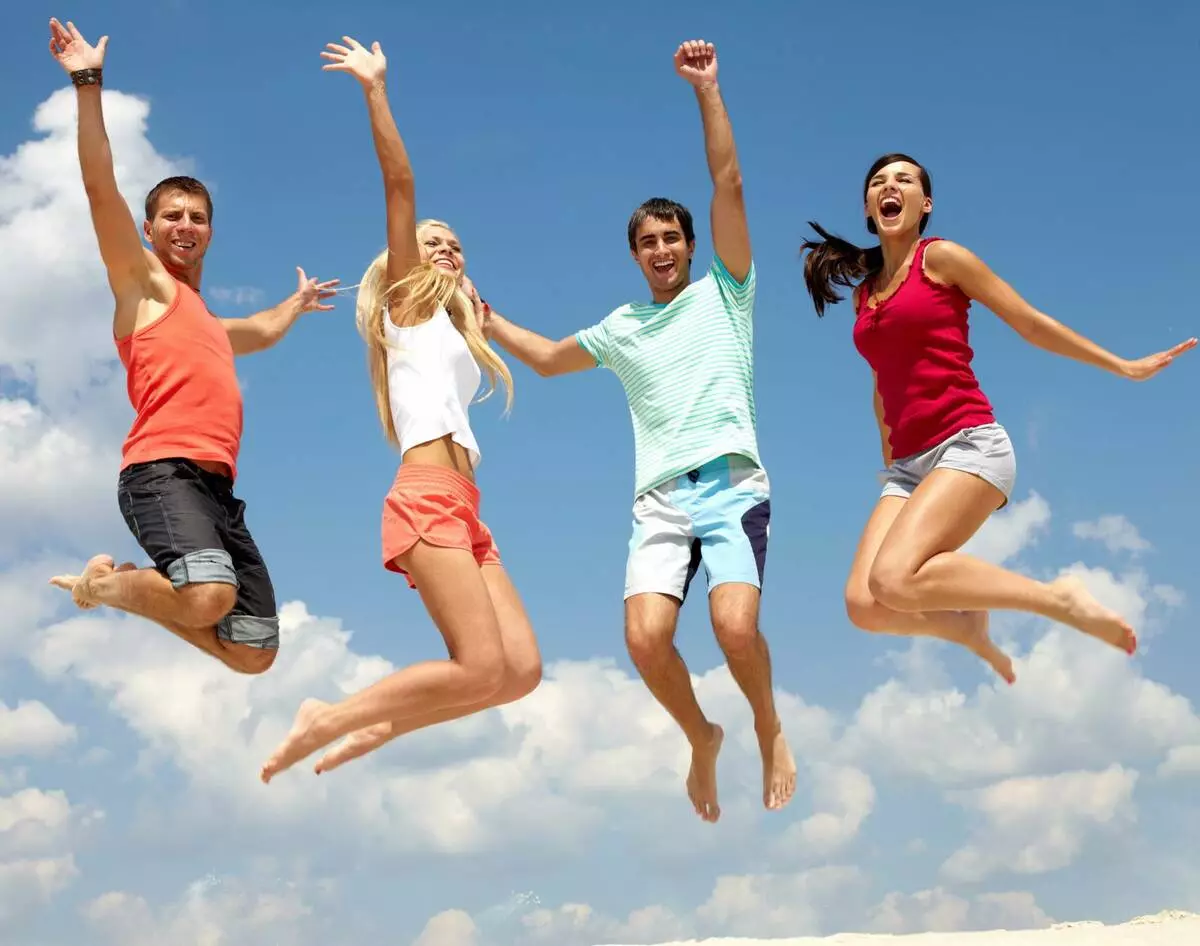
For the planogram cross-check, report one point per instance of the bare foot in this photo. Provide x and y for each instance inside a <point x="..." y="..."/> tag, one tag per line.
<point x="304" y="739"/>
<point x="779" y="768"/>
<point x="355" y="745"/>
<point x="980" y="643"/>
<point x="80" y="586"/>
<point x="702" y="777"/>
<point x="1086" y="614"/>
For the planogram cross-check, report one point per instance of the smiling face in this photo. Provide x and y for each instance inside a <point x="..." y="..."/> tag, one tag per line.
<point x="180" y="230"/>
<point x="439" y="245"/>
<point x="664" y="255"/>
<point x="897" y="199"/>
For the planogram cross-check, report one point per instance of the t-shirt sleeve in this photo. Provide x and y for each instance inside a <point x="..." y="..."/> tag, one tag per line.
<point x="739" y="296"/>
<point x="594" y="340"/>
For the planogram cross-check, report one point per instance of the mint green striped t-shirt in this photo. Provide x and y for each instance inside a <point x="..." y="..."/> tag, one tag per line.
<point x="687" y="367"/>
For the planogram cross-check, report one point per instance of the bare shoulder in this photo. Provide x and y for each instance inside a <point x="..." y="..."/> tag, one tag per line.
<point x="946" y="261"/>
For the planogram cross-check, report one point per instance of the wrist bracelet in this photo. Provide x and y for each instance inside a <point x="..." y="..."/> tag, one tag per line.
<point x="86" y="77"/>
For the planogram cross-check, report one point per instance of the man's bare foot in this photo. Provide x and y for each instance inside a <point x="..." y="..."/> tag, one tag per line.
<point x="80" y="586"/>
<point x="779" y="768"/>
<point x="355" y="745"/>
<point x="304" y="739"/>
<point x="702" y="777"/>
<point x="979" y="642"/>
<point x="1085" y="613"/>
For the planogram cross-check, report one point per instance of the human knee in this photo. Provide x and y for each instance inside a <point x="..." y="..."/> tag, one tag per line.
<point x="208" y="603"/>
<point x="863" y="610"/>
<point x="523" y="675"/>
<point x="736" y="635"/>
<point x="250" y="660"/>
<point x="648" y="642"/>
<point x="485" y="672"/>
<point x="892" y="584"/>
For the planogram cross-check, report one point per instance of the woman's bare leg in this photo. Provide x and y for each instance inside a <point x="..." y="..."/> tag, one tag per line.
<point x="918" y="567"/>
<point x="457" y="599"/>
<point x="967" y="628"/>
<point x="522" y="674"/>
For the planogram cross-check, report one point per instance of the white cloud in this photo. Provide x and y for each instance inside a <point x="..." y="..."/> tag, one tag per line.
<point x="1181" y="760"/>
<point x="237" y="295"/>
<point x="215" y="911"/>
<point x="55" y="306"/>
<point x="842" y="799"/>
<point x="776" y="904"/>
<point x="450" y="928"/>
<point x="31" y="728"/>
<point x="1116" y="533"/>
<point x="28" y="885"/>
<point x="940" y="911"/>
<point x="37" y="831"/>
<point x="1010" y="531"/>
<point x="1033" y="825"/>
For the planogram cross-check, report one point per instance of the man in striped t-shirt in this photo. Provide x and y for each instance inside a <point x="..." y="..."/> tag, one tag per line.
<point x="686" y="362"/>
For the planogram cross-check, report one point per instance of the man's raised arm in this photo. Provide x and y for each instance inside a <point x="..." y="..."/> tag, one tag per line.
<point x="266" y="328"/>
<point x="543" y="355"/>
<point x="125" y="258"/>
<point x="696" y="61"/>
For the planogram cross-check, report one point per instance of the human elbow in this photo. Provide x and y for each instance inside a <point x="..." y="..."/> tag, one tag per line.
<point x="730" y="181"/>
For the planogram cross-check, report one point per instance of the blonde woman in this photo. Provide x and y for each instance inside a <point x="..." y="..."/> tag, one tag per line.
<point x="421" y="320"/>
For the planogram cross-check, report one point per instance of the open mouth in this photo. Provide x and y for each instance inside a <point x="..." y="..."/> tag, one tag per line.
<point x="891" y="207"/>
<point x="184" y="245"/>
<point x="663" y="266"/>
<point x="445" y="262"/>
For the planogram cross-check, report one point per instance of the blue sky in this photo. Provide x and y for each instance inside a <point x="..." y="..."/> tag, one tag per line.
<point x="1061" y="149"/>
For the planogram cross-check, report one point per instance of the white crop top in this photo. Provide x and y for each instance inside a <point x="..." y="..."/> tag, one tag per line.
<point x="432" y="378"/>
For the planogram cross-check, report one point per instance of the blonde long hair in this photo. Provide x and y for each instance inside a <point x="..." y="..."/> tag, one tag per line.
<point x="419" y="294"/>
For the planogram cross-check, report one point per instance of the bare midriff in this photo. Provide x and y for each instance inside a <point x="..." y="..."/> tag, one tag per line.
<point x="441" y="452"/>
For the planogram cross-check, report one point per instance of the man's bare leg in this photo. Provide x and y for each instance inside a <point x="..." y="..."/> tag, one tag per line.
<point x="522" y="674"/>
<point x="190" y="613"/>
<point x="650" y="621"/>
<point x="734" y="609"/>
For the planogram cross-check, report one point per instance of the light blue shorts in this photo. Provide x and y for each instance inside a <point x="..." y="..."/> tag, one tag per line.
<point x="984" y="451"/>
<point x="717" y="515"/>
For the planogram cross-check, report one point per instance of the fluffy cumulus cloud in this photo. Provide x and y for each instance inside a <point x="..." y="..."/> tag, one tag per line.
<point x="1041" y="771"/>
<point x="1116" y="533"/>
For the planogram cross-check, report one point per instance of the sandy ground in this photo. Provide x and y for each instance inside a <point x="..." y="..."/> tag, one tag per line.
<point x="1170" y="928"/>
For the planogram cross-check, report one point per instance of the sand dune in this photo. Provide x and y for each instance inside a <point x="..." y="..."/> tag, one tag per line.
<point x="1169" y="928"/>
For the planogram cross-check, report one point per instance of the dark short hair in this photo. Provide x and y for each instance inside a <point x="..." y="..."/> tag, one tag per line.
<point x="189" y="185"/>
<point x="660" y="208"/>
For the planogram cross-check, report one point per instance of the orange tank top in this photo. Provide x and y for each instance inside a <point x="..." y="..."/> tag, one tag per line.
<point x="183" y="387"/>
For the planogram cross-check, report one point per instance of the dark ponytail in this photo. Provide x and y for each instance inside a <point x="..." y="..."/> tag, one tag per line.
<point x="834" y="261"/>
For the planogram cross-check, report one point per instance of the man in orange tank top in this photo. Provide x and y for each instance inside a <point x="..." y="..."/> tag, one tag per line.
<point x="209" y="584"/>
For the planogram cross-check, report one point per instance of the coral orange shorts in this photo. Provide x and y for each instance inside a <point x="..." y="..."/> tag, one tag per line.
<point x="438" y="505"/>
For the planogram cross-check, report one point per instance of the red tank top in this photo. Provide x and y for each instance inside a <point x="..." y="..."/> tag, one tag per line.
<point x="916" y="340"/>
<point x="183" y="387"/>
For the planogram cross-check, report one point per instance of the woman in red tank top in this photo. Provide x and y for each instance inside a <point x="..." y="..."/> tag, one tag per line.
<point x="949" y="464"/>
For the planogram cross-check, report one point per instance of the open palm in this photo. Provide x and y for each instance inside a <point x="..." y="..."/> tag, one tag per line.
<point x="366" y="65"/>
<point x="1148" y="367"/>
<point x="72" y="51"/>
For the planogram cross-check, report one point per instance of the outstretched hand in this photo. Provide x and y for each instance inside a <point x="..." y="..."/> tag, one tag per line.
<point x="367" y="66"/>
<point x="310" y="293"/>
<point x="72" y="51"/>
<point x="696" y="61"/>
<point x="1148" y="367"/>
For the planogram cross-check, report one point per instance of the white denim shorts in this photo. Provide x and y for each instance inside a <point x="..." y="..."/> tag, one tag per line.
<point x="984" y="451"/>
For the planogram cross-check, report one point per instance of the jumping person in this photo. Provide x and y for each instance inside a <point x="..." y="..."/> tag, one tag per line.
<point x="422" y="322"/>
<point x="209" y="584"/>
<point x="685" y="360"/>
<point x="950" y="465"/>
